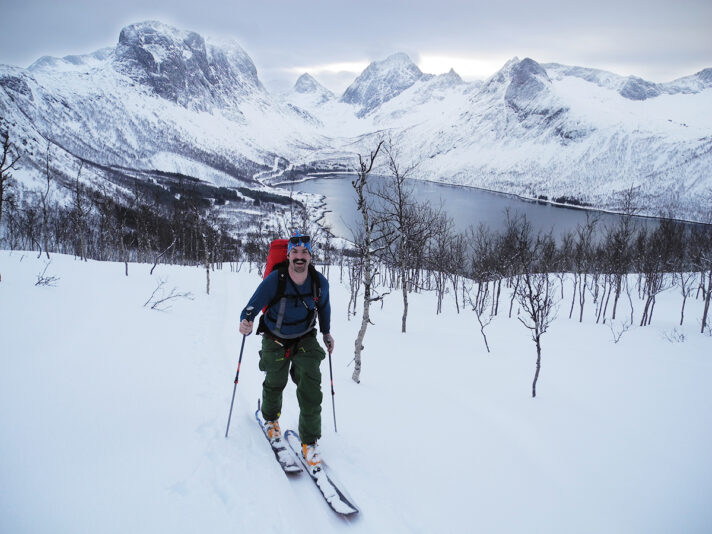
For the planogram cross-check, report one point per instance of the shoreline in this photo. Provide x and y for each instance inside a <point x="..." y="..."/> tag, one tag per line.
<point x="313" y="176"/>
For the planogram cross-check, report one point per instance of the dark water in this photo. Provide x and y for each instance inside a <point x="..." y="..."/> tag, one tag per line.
<point x="467" y="206"/>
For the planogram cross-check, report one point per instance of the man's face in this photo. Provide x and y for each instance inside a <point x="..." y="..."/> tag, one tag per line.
<point x="299" y="258"/>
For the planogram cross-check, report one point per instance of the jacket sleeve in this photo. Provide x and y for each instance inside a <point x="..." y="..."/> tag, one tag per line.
<point x="262" y="296"/>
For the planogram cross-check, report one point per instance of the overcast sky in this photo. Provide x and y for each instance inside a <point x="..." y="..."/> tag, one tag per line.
<point x="334" y="40"/>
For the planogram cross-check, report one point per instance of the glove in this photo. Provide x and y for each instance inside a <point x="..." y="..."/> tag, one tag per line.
<point x="329" y="342"/>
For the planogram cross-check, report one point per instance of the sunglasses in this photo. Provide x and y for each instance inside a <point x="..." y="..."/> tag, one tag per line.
<point x="296" y="240"/>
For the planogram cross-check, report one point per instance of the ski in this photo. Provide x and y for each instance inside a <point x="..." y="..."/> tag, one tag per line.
<point x="282" y="453"/>
<point x="332" y="494"/>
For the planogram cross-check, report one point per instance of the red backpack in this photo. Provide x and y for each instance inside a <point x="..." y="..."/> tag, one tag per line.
<point x="277" y="254"/>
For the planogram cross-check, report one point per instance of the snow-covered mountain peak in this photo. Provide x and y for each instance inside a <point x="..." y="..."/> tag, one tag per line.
<point x="528" y="80"/>
<point x="307" y="84"/>
<point x="381" y="81"/>
<point x="450" y="78"/>
<point x="528" y="68"/>
<point x="159" y="40"/>
<point x="523" y="84"/>
<point x="397" y="60"/>
<point x="633" y="87"/>
<point x="179" y="66"/>
<point x="691" y="84"/>
<point x="308" y="94"/>
<point x="501" y="77"/>
<point x="234" y="54"/>
<point x="706" y="76"/>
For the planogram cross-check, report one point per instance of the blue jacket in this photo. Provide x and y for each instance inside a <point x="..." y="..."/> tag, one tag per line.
<point x="298" y="308"/>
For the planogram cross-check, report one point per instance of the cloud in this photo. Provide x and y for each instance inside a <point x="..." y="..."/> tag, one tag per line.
<point x="469" y="68"/>
<point x="344" y="66"/>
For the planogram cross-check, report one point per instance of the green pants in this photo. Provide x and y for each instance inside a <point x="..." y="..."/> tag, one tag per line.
<point x="303" y="366"/>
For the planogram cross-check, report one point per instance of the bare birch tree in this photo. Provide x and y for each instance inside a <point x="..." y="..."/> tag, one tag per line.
<point x="398" y="213"/>
<point x="408" y="224"/>
<point x="535" y="292"/>
<point x="366" y="243"/>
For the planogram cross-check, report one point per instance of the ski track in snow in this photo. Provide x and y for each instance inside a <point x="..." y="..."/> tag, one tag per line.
<point x="114" y="415"/>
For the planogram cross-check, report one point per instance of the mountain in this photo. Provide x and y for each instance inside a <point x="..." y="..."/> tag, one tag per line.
<point x="168" y="104"/>
<point x="534" y="131"/>
<point x="163" y="100"/>
<point x="633" y="87"/>
<point x="382" y="81"/>
<point x="308" y="95"/>
<point x="181" y="67"/>
<point x="306" y="84"/>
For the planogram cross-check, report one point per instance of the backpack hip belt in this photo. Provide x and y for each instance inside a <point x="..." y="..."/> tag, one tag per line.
<point x="289" y="345"/>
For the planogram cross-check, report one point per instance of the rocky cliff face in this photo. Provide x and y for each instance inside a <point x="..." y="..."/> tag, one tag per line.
<point x="528" y="83"/>
<point x="181" y="67"/>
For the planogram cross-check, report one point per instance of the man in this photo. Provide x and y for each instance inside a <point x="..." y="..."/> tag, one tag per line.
<point x="289" y="343"/>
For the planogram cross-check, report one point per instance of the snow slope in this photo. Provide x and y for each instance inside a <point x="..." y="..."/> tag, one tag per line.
<point x="114" y="415"/>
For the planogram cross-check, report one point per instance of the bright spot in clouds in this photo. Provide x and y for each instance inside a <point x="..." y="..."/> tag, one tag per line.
<point x="352" y="66"/>
<point x="467" y="68"/>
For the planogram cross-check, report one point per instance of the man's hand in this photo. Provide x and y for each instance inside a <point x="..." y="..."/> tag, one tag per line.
<point x="245" y="327"/>
<point x="329" y="342"/>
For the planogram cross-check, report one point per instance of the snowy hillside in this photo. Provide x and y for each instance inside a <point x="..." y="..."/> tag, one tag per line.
<point x="533" y="133"/>
<point x="114" y="415"/>
<point x="172" y="101"/>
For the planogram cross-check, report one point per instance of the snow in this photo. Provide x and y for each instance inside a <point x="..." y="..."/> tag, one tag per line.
<point x="114" y="415"/>
<point x="681" y="117"/>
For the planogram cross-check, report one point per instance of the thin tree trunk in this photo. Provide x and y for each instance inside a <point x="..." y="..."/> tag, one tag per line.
<point x="644" y="319"/>
<point x="358" y="344"/>
<point x="482" y="329"/>
<point x="582" y="297"/>
<point x="404" y="288"/>
<point x="707" y="303"/>
<point x="652" y="308"/>
<point x="682" y="310"/>
<point x="608" y="297"/>
<point x="359" y="184"/>
<point x="514" y="293"/>
<point x="619" y="279"/>
<point x="538" y="365"/>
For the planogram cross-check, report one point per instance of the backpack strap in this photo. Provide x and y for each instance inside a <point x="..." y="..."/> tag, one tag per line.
<point x="283" y="276"/>
<point x="316" y="285"/>
<point x="281" y="299"/>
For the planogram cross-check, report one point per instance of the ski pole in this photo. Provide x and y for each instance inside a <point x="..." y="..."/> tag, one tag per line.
<point x="237" y="375"/>
<point x="331" y="376"/>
